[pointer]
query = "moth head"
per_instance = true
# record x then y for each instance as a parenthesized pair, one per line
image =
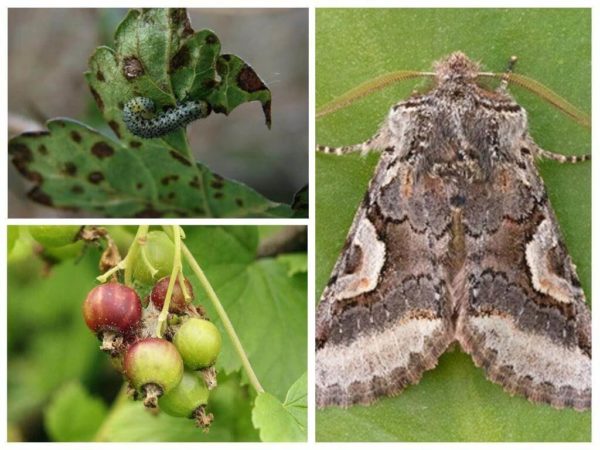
(456, 67)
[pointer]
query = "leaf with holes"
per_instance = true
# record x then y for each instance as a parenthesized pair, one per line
(158, 56)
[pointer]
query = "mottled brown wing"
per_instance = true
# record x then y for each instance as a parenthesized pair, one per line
(385, 315)
(523, 317)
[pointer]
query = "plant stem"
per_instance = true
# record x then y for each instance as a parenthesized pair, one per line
(126, 263)
(224, 318)
(175, 272)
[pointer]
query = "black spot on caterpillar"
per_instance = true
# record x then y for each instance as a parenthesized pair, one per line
(140, 118)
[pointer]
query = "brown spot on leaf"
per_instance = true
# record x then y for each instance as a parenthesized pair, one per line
(179, 59)
(132, 68)
(102, 150)
(21, 158)
(42, 150)
(248, 80)
(267, 112)
(211, 39)
(199, 210)
(70, 169)
(96, 177)
(115, 127)
(139, 186)
(195, 183)
(218, 195)
(167, 179)
(239, 202)
(98, 99)
(76, 189)
(75, 136)
(99, 75)
(180, 18)
(217, 184)
(149, 212)
(171, 195)
(39, 196)
(135, 144)
(182, 159)
(209, 83)
(226, 57)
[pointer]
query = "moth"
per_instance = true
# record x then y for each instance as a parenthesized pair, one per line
(141, 119)
(454, 241)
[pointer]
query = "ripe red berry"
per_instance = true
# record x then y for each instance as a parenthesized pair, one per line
(178, 301)
(112, 311)
(154, 367)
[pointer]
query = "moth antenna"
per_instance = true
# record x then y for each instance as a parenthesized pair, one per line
(510, 67)
(563, 159)
(545, 93)
(367, 88)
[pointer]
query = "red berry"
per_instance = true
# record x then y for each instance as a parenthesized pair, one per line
(112, 307)
(154, 367)
(178, 301)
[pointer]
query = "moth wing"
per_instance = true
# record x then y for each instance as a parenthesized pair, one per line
(384, 317)
(523, 318)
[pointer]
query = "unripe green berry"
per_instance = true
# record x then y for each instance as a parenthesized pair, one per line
(198, 342)
(156, 253)
(186, 398)
(154, 367)
(54, 235)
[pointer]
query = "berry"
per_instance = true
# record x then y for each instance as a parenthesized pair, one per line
(155, 259)
(188, 399)
(178, 302)
(154, 367)
(54, 235)
(112, 311)
(198, 342)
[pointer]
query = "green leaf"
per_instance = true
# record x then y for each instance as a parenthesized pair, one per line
(266, 305)
(453, 402)
(296, 262)
(73, 415)
(282, 422)
(157, 55)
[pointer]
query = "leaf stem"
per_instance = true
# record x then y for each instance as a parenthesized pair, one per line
(224, 318)
(175, 272)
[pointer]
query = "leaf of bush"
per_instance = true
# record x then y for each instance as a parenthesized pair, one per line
(454, 401)
(74, 415)
(266, 305)
(157, 55)
(282, 422)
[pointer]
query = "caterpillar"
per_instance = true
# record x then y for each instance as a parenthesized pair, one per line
(140, 118)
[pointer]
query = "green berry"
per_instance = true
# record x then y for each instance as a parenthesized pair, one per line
(198, 342)
(54, 235)
(186, 398)
(155, 259)
(154, 367)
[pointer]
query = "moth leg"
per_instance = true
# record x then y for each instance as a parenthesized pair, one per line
(374, 144)
(570, 159)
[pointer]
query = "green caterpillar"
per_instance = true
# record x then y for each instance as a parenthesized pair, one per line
(140, 118)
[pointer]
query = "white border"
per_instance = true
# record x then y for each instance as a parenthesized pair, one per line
(310, 222)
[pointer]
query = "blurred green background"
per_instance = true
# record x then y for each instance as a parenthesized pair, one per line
(61, 387)
(453, 402)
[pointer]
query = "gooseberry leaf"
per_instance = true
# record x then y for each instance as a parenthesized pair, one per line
(282, 422)
(157, 55)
